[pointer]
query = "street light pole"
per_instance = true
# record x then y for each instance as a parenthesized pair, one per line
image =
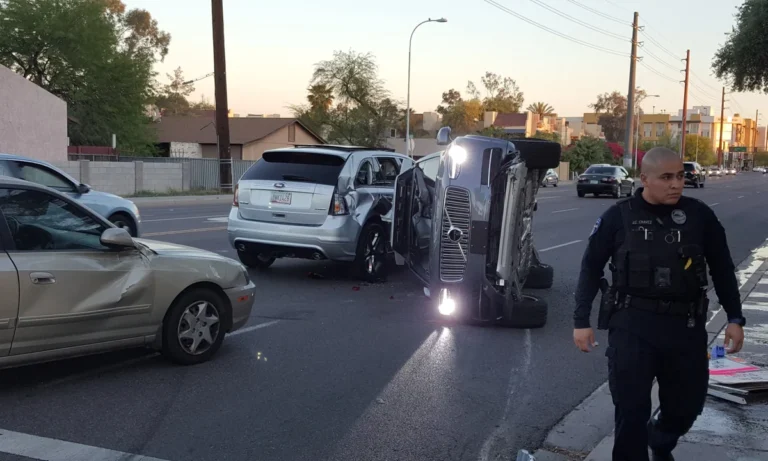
(408, 98)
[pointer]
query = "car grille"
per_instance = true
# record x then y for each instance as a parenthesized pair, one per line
(453, 255)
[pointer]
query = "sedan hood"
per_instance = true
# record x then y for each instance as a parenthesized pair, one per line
(172, 249)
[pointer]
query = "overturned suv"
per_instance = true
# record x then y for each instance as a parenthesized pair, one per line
(462, 222)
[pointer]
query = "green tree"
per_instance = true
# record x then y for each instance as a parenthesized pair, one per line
(171, 98)
(612, 113)
(743, 59)
(585, 152)
(502, 93)
(547, 136)
(761, 159)
(541, 109)
(698, 148)
(94, 55)
(364, 112)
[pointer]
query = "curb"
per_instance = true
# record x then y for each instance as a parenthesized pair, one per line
(588, 429)
(181, 200)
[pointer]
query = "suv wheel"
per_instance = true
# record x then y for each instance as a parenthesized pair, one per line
(255, 260)
(529, 312)
(371, 256)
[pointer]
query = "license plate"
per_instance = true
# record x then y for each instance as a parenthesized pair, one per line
(283, 198)
(594, 181)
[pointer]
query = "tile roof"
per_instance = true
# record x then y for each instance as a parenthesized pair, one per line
(503, 120)
(202, 130)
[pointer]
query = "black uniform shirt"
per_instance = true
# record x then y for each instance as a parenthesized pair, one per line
(608, 235)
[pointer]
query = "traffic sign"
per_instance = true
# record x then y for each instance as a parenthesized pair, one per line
(739, 149)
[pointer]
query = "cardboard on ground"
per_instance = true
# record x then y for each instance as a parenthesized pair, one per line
(726, 366)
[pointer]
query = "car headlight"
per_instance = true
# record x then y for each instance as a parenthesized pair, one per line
(458, 155)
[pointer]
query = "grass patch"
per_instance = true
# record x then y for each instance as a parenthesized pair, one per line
(175, 193)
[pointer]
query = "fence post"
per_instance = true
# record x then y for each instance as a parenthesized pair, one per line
(138, 179)
(185, 176)
(85, 171)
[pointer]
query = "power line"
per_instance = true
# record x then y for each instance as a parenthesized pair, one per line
(703, 82)
(600, 13)
(552, 31)
(659, 45)
(658, 73)
(703, 91)
(648, 52)
(579, 21)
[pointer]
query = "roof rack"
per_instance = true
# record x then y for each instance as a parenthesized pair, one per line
(342, 148)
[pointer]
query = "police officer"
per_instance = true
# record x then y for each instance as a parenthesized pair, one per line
(659, 243)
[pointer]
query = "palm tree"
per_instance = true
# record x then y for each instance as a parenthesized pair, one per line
(320, 97)
(541, 108)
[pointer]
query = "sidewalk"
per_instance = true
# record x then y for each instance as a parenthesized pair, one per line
(724, 431)
(181, 200)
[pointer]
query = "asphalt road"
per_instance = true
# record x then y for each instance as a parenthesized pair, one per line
(336, 369)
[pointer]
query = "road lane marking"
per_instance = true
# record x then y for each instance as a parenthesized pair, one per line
(546, 198)
(219, 219)
(559, 246)
(254, 327)
(563, 211)
(715, 204)
(740, 196)
(184, 231)
(182, 218)
(47, 449)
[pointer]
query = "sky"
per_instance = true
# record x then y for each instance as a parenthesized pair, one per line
(272, 47)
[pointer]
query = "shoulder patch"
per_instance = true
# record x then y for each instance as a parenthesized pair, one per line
(596, 227)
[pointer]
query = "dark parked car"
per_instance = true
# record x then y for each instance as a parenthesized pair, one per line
(462, 223)
(694, 174)
(605, 180)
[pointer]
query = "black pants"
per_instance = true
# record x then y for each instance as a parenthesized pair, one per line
(682, 372)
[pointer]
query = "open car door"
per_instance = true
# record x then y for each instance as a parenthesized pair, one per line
(401, 211)
(412, 220)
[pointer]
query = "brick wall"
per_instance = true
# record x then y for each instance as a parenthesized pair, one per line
(128, 178)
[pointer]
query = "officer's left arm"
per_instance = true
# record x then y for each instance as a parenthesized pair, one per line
(720, 263)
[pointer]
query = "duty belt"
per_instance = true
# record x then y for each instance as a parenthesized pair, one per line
(658, 306)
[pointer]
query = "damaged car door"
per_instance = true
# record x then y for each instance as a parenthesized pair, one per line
(73, 291)
(413, 213)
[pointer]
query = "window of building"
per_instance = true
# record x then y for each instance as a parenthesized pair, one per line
(647, 129)
(292, 133)
(660, 129)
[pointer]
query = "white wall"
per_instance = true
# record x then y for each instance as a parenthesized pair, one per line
(128, 178)
(186, 149)
(33, 122)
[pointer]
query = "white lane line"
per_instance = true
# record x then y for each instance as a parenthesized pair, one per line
(715, 204)
(46, 449)
(559, 246)
(545, 198)
(757, 294)
(255, 327)
(184, 231)
(219, 219)
(563, 211)
(183, 218)
(740, 196)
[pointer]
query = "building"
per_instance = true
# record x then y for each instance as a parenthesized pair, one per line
(33, 122)
(524, 123)
(591, 127)
(195, 137)
(762, 139)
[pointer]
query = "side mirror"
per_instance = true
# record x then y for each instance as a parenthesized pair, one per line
(117, 237)
(83, 188)
(444, 136)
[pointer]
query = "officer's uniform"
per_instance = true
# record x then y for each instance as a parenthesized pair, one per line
(657, 330)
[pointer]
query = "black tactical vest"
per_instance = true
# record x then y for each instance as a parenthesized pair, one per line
(661, 257)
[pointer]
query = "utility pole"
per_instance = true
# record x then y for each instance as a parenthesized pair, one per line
(222, 106)
(722, 122)
(685, 102)
(631, 96)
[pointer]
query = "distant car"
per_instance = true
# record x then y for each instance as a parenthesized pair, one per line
(316, 202)
(605, 180)
(730, 171)
(550, 178)
(74, 284)
(118, 210)
(715, 172)
(694, 174)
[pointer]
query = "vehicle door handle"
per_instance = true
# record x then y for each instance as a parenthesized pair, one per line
(42, 278)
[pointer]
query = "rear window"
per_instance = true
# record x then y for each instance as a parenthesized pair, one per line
(602, 170)
(296, 166)
(689, 167)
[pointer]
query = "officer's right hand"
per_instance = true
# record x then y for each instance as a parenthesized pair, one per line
(584, 339)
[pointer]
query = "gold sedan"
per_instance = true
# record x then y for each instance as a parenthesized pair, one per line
(74, 284)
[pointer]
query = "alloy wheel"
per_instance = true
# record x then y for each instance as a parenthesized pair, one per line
(199, 327)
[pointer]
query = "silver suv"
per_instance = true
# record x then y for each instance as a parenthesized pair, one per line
(462, 222)
(316, 202)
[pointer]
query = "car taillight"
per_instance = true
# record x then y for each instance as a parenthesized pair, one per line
(235, 202)
(609, 179)
(338, 205)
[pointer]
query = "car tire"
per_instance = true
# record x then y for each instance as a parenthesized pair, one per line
(529, 312)
(580, 193)
(124, 221)
(555, 184)
(540, 276)
(255, 260)
(371, 259)
(185, 322)
(701, 185)
(631, 190)
(616, 193)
